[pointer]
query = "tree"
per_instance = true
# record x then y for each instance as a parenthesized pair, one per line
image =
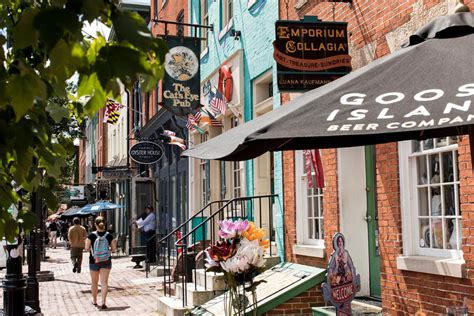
(43, 48)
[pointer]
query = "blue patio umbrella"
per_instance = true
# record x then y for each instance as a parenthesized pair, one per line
(99, 206)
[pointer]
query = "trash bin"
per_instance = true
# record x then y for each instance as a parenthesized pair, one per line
(190, 265)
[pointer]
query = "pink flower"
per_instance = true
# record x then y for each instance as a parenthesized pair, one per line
(229, 229)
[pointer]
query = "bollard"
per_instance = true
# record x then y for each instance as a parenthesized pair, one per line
(32, 289)
(14, 284)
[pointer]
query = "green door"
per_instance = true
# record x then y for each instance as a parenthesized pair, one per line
(372, 222)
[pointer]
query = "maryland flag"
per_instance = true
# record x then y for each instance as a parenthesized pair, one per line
(112, 111)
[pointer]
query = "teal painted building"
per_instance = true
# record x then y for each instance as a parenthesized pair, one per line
(241, 38)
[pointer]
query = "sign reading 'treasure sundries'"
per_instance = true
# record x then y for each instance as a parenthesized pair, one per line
(310, 53)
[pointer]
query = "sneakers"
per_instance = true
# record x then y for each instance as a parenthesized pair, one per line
(74, 269)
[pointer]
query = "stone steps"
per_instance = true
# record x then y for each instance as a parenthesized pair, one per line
(172, 306)
(196, 295)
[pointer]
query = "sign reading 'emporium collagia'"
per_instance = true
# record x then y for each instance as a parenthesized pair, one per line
(342, 281)
(310, 53)
(181, 84)
(146, 152)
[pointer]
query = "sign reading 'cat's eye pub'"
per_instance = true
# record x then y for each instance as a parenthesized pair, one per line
(310, 53)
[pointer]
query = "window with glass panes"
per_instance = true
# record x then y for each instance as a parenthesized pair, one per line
(227, 11)
(237, 167)
(438, 224)
(204, 166)
(314, 229)
(204, 21)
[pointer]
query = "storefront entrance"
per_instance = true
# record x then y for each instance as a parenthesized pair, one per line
(358, 216)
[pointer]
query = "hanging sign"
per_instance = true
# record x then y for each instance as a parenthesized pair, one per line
(310, 53)
(342, 281)
(146, 152)
(181, 84)
(76, 192)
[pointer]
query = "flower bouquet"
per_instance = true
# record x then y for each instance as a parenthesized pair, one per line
(239, 255)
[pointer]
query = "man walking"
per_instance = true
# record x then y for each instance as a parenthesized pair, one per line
(53, 234)
(77, 236)
(149, 227)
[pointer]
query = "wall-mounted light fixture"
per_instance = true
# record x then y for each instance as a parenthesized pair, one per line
(235, 34)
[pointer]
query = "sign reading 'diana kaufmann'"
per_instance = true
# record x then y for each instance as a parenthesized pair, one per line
(146, 152)
(342, 281)
(181, 84)
(310, 53)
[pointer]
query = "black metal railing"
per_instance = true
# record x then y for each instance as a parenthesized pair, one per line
(259, 209)
(165, 244)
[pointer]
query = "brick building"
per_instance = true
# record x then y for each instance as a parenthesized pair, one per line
(417, 257)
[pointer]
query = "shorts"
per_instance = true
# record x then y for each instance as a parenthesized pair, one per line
(101, 265)
(54, 234)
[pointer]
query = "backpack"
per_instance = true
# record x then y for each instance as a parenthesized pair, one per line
(100, 250)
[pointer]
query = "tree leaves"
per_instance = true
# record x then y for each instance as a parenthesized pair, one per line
(46, 48)
(24, 33)
(23, 89)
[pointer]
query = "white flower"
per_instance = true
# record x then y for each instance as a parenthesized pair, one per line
(249, 254)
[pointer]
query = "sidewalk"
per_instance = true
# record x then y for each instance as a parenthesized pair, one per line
(130, 293)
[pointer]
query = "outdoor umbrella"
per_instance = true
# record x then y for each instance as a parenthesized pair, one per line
(70, 212)
(98, 207)
(424, 90)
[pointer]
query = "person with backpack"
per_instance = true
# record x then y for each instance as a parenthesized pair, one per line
(99, 243)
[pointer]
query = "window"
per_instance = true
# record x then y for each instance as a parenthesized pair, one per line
(204, 170)
(429, 177)
(309, 207)
(226, 12)
(236, 169)
(180, 19)
(204, 21)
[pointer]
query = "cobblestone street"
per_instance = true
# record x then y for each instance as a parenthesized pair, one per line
(130, 293)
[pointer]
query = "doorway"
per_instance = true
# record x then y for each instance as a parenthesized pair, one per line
(358, 214)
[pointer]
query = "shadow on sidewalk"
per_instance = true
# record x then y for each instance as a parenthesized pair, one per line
(115, 308)
(88, 283)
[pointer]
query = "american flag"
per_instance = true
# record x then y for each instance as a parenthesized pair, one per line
(214, 121)
(191, 122)
(197, 116)
(217, 102)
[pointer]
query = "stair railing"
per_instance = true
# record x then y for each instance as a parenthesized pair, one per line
(165, 245)
(238, 208)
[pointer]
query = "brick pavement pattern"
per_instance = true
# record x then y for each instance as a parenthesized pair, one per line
(130, 293)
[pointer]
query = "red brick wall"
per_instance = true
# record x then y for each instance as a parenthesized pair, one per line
(403, 292)
(301, 304)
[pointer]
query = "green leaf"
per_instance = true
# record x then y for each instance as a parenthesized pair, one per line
(27, 219)
(57, 112)
(24, 33)
(91, 9)
(120, 61)
(130, 27)
(94, 49)
(56, 23)
(23, 90)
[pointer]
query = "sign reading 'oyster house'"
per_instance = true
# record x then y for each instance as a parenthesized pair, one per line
(310, 53)
(146, 152)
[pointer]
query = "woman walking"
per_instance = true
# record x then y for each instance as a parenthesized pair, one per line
(99, 243)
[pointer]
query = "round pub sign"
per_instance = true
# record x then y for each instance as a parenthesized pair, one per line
(146, 152)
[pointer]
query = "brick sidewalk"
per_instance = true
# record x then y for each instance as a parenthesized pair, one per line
(130, 293)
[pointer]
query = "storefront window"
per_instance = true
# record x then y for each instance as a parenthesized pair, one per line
(204, 170)
(434, 203)
(309, 207)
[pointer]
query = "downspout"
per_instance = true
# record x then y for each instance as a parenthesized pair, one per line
(127, 219)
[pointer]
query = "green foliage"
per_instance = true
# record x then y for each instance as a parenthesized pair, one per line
(39, 113)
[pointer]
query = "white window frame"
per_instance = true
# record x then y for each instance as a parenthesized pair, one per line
(304, 246)
(203, 165)
(237, 169)
(204, 21)
(409, 204)
(227, 12)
